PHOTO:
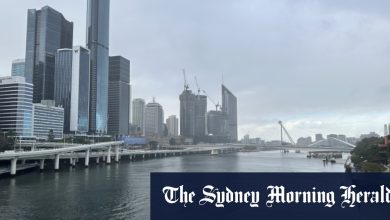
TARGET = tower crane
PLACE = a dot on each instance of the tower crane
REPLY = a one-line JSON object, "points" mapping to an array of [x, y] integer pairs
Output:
{"points": [[217, 105], [282, 128], [197, 85], [186, 86]]}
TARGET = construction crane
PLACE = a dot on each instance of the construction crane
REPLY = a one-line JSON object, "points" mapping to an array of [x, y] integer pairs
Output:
{"points": [[186, 86], [197, 85], [212, 100], [282, 128]]}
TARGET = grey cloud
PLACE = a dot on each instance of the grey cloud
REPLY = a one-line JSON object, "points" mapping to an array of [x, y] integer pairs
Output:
{"points": [[283, 59]]}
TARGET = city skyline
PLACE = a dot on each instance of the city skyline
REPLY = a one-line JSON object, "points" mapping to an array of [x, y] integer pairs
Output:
{"points": [[278, 93]]}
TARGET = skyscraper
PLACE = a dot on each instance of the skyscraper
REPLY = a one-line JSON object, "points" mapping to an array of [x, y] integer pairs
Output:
{"points": [[138, 114], [200, 116], [79, 105], [71, 87], [47, 31], [154, 120], [18, 67], [229, 107], [187, 113], [16, 116], [63, 83], [172, 125], [118, 96], [98, 13]]}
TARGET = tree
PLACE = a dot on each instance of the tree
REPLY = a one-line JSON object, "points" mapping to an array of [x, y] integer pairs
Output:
{"points": [[7, 140], [50, 135], [368, 156]]}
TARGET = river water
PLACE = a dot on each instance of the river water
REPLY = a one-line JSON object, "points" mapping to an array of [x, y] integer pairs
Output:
{"points": [[121, 191]]}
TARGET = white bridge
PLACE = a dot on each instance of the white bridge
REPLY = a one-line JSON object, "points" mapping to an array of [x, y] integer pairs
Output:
{"points": [[105, 151]]}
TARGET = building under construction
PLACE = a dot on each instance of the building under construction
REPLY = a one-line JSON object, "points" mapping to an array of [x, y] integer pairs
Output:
{"points": [[216, 126]]}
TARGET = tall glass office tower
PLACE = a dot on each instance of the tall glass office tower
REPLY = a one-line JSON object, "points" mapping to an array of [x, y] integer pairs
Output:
{"points": [[47, 31], [71, 87], [229, 107], [118, 96], [97, 42]]}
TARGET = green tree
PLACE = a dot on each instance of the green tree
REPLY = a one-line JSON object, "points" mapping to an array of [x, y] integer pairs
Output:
{"points": [[7, 140], [369, 157]]}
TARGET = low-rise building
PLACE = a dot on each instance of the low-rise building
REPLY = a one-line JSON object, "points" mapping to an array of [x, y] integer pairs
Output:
{"points": [[46, 118]]}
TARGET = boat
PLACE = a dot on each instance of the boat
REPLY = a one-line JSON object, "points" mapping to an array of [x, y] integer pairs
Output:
{"points": [[333, 160], [297, 151]]}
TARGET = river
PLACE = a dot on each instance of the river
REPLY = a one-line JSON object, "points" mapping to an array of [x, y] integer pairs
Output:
{"points": [[121, 191]]}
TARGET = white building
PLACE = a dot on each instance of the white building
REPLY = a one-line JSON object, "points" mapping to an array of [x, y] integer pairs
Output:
{"points": [[16, 105], [154, 120], [173, 126], [47, 117], [138, 112], [71, 87]]}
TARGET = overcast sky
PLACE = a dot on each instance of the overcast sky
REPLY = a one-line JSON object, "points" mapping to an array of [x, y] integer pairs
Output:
{"points": [[320, 66]]}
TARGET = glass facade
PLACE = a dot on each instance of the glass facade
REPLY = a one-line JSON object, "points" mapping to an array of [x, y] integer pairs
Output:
{"points": [[118, 96], [17, 67], [229, 107], [80, 120], [16, 106], [98, 12], [63, 83], [47, 31], [71, 88]]}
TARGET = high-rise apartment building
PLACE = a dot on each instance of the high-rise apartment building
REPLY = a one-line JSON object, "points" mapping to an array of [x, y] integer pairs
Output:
{"points": [[98, 13], [47, 31], [154, 120], [138, 115], [172, 125], [229, 107], [118, 96]]}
